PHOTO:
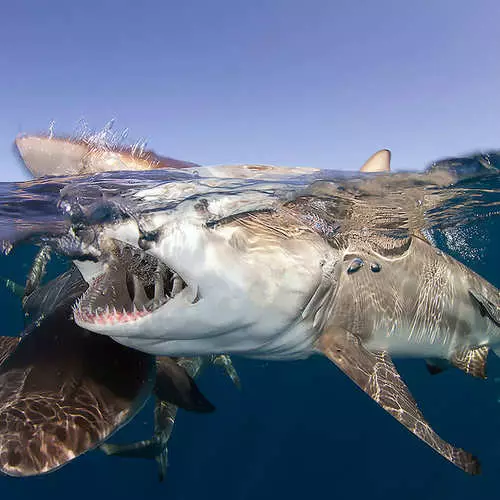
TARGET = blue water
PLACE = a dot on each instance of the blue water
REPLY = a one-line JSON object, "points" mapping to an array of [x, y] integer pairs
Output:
{"points": [[299, 429]]}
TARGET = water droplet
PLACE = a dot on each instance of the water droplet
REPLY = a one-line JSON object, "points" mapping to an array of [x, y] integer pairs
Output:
{"points": [[51, 129], [375, 267], [355, 265]]}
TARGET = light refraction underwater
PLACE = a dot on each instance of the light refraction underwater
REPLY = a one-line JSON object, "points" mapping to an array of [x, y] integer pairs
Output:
{"points": [[173, 266]]}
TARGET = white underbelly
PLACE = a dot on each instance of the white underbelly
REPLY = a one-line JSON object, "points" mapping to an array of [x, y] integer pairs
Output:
{"points": [[296, 342], [407, 341]]}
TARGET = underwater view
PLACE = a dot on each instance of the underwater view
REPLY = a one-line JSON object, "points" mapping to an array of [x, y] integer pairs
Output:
{"points": [[171, 329]]}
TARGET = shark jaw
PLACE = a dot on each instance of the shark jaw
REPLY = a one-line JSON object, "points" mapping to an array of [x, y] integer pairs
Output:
{"points": [[130, 286], [242, 286]]}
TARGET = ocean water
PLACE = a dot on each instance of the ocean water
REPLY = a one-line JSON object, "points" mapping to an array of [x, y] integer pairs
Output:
{"points": [[296, 429]]}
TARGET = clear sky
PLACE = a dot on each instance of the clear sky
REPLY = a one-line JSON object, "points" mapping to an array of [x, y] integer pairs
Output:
{"points": [[311, 83]]}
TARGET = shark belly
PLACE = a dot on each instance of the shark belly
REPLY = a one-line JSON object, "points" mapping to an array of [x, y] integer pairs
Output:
{"points": [[296, 342]]}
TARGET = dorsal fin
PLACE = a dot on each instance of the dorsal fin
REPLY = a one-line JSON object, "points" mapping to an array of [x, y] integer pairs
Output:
{"points": [[45, 155], [378, 162]]}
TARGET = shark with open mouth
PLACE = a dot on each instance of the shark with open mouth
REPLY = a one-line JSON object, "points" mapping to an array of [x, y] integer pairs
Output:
{"points": [[251, 268]]}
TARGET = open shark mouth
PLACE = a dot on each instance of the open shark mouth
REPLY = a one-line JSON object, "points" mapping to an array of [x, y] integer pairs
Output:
{"points": [[134, 285]]}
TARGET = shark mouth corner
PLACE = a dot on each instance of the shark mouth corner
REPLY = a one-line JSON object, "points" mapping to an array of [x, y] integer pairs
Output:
{"points": [[134, 285]]}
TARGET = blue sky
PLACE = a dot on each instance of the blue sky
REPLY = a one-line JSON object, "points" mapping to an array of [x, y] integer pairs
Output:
{"points": [[314, 83]]}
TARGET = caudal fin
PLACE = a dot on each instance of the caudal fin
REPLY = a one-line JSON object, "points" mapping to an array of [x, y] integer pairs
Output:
{"points": [[151, 449]]}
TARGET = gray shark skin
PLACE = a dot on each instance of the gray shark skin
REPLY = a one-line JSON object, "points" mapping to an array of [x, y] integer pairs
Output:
{"points": [[342, 294], [264, 271]]}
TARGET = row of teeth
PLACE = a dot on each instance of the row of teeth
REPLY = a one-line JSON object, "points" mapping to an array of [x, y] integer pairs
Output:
{"points": [[141, 303], [140, 298], [109, 316], [148, 282], [141, 267]]}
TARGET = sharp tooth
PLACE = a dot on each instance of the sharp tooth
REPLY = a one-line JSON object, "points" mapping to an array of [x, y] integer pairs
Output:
{"points": [[195, 294], [140, 297], [158, 286], [177, 286]]}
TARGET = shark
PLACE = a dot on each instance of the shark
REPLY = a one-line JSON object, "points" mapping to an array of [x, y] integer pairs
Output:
{"points": [[48, 156], [65, 390], [165, 414], [243, 268]]}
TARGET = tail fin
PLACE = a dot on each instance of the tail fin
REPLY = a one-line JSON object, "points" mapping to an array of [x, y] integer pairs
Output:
{"points": [[142, 449], [151, 449]]}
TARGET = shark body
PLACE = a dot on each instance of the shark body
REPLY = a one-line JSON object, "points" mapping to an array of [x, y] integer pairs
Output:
{"points": [[242, 271]]}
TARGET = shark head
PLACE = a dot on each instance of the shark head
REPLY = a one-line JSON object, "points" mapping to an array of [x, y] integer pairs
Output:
{"points": [[244, 284]]}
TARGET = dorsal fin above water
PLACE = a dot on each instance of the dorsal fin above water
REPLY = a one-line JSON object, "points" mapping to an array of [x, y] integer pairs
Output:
{"points": [[471, 361], [378, 162], [48, 156]]}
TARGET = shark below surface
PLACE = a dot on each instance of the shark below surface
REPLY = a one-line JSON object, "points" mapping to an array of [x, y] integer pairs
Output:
{"points": [[257, 269], [65, 390], [43, 156], [165, 414]]}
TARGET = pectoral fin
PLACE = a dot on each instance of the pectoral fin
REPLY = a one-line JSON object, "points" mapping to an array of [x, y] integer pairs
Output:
{"points": [[377, 376]]}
